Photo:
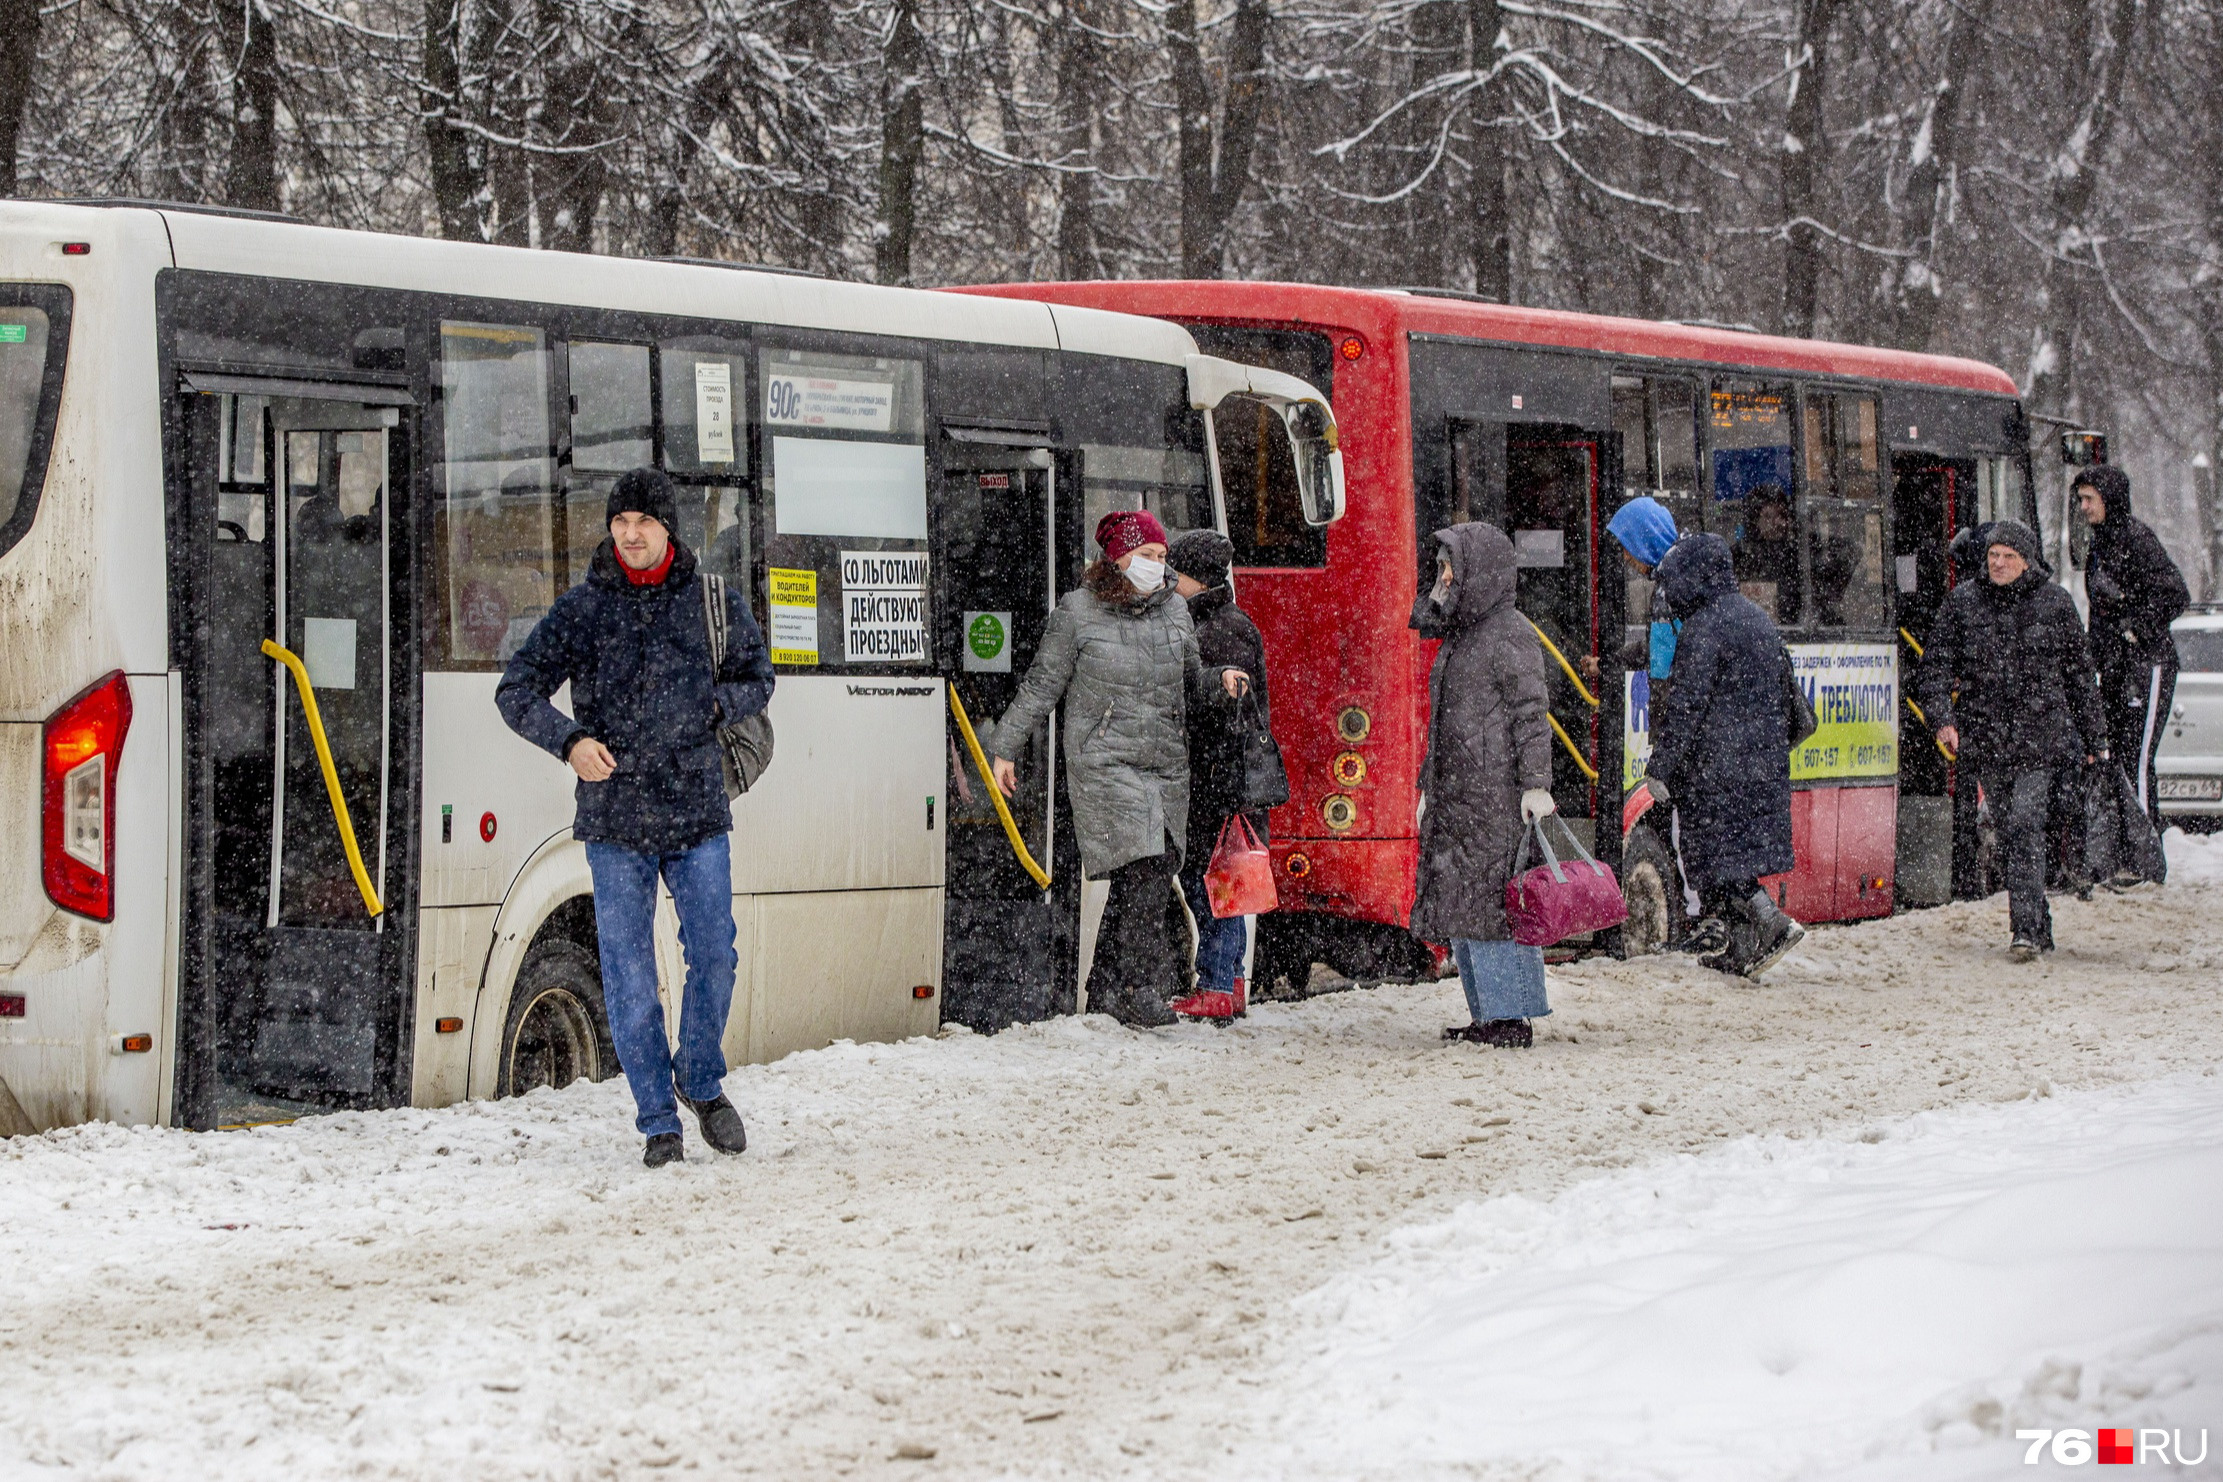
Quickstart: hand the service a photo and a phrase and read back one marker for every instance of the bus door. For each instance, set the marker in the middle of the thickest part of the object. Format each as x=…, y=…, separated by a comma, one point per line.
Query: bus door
x=297, y=992
x=1008, y=947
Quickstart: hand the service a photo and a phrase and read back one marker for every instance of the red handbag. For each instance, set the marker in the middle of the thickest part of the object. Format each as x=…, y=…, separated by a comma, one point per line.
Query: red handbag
x=1240, y=879
x=1560, y=898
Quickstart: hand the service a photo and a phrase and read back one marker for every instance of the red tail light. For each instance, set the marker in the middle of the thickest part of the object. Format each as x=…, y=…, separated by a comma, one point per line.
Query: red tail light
x=84, y=740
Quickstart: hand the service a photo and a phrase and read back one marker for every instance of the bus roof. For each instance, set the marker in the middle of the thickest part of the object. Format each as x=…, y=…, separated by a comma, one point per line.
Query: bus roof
x=267, y=247
x=1378, y=314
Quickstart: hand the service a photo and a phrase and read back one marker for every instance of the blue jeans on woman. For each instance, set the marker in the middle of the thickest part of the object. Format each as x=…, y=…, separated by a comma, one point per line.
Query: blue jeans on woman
x=1503, y=980
x=701, y=881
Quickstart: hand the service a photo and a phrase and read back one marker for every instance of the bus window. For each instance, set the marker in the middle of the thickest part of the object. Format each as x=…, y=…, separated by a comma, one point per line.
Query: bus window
x=1998, y=489
x=1844, y=511
x=1141, y=445
x=703, y=407
x=1632, y=419
x=1675, y=425
x=611, y=417
x=1841, y=457
x=1265, y=519
x=1169, y=482
x=494, y=532
x=1750, y=424
x=243, y=480
x=28, y=393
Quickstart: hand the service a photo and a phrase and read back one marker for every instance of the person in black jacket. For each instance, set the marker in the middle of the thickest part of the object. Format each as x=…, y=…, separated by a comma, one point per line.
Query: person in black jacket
x=1721, y=753
x=633, y=642
x=2007, y=684
x=1203, y=567
x=2135, y=593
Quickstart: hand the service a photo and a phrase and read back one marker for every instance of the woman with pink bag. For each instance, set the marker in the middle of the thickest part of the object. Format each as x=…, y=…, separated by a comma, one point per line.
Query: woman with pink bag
x=1486, y=776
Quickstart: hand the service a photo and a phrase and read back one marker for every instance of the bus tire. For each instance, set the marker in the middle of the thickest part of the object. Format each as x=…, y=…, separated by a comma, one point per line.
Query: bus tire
x=556, y=1031
x=1651, y=889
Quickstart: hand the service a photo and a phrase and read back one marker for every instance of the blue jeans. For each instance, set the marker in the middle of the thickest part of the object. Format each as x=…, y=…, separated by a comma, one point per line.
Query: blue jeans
x=1220, y=940
x=701, y=881
x=1503, y=980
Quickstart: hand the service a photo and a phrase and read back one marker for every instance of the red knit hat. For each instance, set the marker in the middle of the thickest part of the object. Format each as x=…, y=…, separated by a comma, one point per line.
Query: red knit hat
x=1123, y=529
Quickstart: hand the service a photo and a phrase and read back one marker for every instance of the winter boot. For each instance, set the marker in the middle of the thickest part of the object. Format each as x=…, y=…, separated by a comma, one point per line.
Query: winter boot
x=1507, y=1034
x=720, y=1123
x=1773, y=934
x=1206, y=1003
x=1139, y=1006
x=2023, y=949
x=664, y=1147
x=1242, y=998
x=1705, y=938
x=1471, y=1033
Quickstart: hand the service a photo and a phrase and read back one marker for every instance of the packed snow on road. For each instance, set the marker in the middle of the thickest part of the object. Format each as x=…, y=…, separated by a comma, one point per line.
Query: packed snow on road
x=1869, y=1218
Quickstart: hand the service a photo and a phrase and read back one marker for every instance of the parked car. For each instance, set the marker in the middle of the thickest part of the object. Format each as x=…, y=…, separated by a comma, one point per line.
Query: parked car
x=2190, y=762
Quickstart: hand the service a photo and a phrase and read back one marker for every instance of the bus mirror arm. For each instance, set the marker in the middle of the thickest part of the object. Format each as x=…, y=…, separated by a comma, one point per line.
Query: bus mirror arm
x=1314, y=445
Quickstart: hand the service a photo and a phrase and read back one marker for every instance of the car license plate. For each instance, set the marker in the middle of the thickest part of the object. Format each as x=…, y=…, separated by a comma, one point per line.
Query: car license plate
x=2190, y=789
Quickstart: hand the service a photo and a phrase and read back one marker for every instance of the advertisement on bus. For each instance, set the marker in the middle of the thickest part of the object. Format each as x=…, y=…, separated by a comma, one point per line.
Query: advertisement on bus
x=1854, y=689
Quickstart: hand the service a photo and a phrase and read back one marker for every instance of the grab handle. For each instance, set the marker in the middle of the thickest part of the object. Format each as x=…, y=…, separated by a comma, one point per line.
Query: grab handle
x=995, y=793
x=331, y=775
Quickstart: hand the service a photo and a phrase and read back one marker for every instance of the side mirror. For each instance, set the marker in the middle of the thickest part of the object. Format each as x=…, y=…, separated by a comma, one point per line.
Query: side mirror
x=1319, y=460
x=2082, y=449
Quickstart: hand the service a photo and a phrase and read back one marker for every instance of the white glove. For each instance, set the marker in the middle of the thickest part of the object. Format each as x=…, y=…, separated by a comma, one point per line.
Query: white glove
x=1658, y=790
x=1536, y=803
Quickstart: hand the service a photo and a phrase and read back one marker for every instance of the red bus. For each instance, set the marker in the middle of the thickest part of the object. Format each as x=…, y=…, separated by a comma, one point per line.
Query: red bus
x=1838, y=473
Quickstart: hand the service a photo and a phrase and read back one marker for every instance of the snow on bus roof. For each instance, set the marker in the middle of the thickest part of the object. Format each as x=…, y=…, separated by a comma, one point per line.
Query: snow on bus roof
x=273, y=247
x=1379, y=313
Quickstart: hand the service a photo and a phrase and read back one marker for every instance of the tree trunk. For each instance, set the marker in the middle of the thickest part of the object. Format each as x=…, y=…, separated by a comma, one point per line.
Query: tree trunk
x=1917, y=285
x=902, y=142
x=251, y=177
x=1215, y=162
x=458, y=161
x=1804, y=152
x=501, y=52
x=19, y=22
x=1488, y=211
x=569, y=184
x=183, y=174
x=1079, y=64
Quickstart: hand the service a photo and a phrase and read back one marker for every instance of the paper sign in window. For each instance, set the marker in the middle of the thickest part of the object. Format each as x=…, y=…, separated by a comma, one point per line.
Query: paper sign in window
x=328, y=652
x=794, y=399
x=794, y=616
x=823, y=486
x=1547, y=548
x=883, y=602
x=713, y=412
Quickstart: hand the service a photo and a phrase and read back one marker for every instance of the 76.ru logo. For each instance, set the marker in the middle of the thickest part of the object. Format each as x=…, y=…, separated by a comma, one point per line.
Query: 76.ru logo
x=2117, y=1447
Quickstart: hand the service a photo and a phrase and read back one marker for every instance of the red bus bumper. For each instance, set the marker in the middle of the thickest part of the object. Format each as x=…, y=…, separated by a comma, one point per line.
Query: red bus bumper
x=1846, y=842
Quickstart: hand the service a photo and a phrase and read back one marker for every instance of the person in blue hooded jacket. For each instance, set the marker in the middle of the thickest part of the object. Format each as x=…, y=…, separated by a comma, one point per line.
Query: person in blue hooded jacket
x=1646, y=531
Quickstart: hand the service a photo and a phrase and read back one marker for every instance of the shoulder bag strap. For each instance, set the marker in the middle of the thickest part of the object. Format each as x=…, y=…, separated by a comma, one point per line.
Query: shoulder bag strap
x=714, y=616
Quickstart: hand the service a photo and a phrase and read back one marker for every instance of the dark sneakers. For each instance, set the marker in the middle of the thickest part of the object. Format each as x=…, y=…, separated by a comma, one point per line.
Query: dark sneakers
x=665, y=1147
x=1506, y=1034
x=720, y=1123
x=1704, y=939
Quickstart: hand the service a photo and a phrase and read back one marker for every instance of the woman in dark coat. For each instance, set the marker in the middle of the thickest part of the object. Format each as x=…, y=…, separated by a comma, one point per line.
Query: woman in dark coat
x=1487, y=773
x=1120, y=656
x=1721, y=750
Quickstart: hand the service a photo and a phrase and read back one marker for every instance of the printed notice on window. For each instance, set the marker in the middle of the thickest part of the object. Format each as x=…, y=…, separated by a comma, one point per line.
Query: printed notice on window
x=883, y=599
x=793, y=399
x=713, y=412
x=794, y=616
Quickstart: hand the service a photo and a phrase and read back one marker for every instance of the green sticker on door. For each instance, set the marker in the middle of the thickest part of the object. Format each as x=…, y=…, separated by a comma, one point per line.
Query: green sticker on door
x=15, y=334
x=988, y=642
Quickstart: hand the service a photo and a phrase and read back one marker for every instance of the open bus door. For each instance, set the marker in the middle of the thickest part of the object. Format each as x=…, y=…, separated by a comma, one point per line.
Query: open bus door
x=296, y=962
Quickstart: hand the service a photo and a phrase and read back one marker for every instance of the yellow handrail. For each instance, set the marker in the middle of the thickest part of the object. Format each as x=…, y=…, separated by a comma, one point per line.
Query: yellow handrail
x=1569, y=742
x=1918, y=715
x=1909, y=637
x=995, y=793
x=1566, y=668
x=331, y=776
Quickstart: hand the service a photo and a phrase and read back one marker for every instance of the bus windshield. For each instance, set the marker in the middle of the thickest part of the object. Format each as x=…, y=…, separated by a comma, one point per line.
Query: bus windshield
x=27, y=403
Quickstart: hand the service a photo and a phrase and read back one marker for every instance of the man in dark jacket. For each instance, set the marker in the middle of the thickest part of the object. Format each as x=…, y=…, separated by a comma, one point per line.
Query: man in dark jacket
x=2135, y=593
x=2007, y=683
x=633, y=641
x=1226, y=638
x=1721, y=751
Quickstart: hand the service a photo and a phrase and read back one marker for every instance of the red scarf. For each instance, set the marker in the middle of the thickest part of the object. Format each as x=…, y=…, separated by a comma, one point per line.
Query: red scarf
x=654, y=576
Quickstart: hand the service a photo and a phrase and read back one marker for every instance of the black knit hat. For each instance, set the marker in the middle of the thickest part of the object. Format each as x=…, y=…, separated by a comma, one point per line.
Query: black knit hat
x=1202, y=555
x=644, y=491
x=2017, y=537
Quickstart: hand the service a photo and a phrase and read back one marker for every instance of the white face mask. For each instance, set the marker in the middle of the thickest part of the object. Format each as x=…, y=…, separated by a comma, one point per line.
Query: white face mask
x=1146, y=575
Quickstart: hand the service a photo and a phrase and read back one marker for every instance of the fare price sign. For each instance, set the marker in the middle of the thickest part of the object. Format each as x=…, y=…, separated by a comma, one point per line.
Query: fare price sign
x=1854, y=689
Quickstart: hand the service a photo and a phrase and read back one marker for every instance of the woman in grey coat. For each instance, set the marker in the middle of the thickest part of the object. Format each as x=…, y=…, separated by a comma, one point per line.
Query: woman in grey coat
x=1486, y=777
x=1120, y=656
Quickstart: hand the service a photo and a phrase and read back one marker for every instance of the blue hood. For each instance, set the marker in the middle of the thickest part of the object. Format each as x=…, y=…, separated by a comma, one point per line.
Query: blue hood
x=1644, y=528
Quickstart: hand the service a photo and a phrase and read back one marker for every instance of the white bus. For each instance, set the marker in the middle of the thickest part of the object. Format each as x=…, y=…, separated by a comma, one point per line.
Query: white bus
x=233, y=445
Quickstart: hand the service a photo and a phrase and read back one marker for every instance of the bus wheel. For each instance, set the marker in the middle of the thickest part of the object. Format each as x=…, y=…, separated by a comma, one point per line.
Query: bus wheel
x=1648, y=886
x=556, y=1032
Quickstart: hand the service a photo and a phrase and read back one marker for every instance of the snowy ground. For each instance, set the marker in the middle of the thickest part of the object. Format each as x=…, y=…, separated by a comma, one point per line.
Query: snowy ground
x=1692, y=1234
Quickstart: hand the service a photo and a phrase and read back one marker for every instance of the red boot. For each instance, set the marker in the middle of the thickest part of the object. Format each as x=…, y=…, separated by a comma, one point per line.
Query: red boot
x=1206, y=1005
x=1242, y=998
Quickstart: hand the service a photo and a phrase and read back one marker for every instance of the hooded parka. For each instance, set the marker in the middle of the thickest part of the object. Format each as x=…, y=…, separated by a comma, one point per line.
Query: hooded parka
x=1126, y=674
x=1487, y=740
x=638, y=661
x=1720, y=738
x=2135, y=590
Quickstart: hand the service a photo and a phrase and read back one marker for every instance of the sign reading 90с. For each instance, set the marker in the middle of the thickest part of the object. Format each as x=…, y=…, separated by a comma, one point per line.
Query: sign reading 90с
x=1854, y=689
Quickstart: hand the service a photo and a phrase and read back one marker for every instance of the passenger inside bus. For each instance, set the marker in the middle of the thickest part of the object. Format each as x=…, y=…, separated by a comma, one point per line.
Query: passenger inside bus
x=1766, y=553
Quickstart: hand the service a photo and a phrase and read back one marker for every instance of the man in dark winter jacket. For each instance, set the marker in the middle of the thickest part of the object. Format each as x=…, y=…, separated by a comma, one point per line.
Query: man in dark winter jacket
x=1721, y=752
x=2135, y=593
x=2007, y=683
x=633, y=642
x=1226, y=638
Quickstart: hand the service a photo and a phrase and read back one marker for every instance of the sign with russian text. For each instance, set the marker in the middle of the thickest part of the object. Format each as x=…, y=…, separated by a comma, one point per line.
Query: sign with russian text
x=1854, y=689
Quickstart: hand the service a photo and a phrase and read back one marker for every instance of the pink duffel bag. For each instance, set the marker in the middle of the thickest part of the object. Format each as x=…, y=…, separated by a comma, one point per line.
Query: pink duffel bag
x=1562, y=897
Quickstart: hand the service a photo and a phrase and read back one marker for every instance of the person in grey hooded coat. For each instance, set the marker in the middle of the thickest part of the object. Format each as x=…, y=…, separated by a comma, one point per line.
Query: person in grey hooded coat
x=1120, y=656
x=1486, y=776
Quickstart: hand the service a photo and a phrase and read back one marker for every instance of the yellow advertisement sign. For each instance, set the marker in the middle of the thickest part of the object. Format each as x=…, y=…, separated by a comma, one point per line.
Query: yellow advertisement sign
x=794, y=616
x=1854, y=689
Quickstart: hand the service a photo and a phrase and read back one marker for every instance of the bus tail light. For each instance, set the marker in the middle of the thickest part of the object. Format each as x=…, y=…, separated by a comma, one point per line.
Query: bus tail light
x=84, y=740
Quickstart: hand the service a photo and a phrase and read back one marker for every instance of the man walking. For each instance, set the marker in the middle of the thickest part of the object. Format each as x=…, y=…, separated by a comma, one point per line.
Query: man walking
x=1226, y=638
x=2007, y=682
x=2135, y=593
x=633, y=642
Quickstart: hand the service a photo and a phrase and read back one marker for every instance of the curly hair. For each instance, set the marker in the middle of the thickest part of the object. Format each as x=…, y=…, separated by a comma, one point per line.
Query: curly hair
x=1109, y=585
